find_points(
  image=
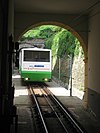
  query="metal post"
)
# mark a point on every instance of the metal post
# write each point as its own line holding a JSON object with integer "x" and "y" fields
{"x": 59, "y": 68}
{"x": 71, "y": 75}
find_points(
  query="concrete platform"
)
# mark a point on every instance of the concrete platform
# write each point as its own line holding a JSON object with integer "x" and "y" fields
{"x": 73, "y": 103}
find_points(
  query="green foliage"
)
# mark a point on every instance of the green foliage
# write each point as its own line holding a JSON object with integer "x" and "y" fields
{"x": 61, "y": 41}
{"x": 78, "y": 49}
{"x": 45, "y": 31}
{"x": 66, "y": 43}
{"x": 34, "y": 33}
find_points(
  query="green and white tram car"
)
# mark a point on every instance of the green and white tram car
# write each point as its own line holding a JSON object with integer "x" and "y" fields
{"x": 35, "y": 64}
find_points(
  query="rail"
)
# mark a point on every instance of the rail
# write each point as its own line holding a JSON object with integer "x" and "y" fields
{"x": 38, "y": 107}
{"x": 64, "y": 110}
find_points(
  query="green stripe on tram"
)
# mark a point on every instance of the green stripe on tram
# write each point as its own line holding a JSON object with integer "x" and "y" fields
{"x": 36, "y": 75}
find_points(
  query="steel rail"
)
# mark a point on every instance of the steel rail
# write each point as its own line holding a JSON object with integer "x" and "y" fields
{"x": 56, "y": 114}
{"x": 45, "y": 127}
{"x": 72, "y": 120}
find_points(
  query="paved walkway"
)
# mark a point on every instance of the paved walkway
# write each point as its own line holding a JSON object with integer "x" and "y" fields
{"x": 75, "y": 105}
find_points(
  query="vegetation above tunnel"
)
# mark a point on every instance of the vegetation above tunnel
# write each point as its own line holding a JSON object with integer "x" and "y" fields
{"x": 60, "y": 40}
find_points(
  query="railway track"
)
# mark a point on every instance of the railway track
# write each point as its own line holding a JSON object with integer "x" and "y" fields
{"x": 49, "y": 115}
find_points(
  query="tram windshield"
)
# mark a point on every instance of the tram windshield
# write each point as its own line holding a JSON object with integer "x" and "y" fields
{"x": 37, "y": 56}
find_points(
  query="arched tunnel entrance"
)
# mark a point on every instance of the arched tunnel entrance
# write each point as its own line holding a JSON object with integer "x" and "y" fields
{"x": 60, "y": 60}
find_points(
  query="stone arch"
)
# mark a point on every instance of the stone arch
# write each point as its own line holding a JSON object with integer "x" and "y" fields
{"x": 85, "y": 49}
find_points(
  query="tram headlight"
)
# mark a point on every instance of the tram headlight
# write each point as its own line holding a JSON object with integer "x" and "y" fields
{"x": 26, "y": 79}
{"x": 45, "y": 79}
